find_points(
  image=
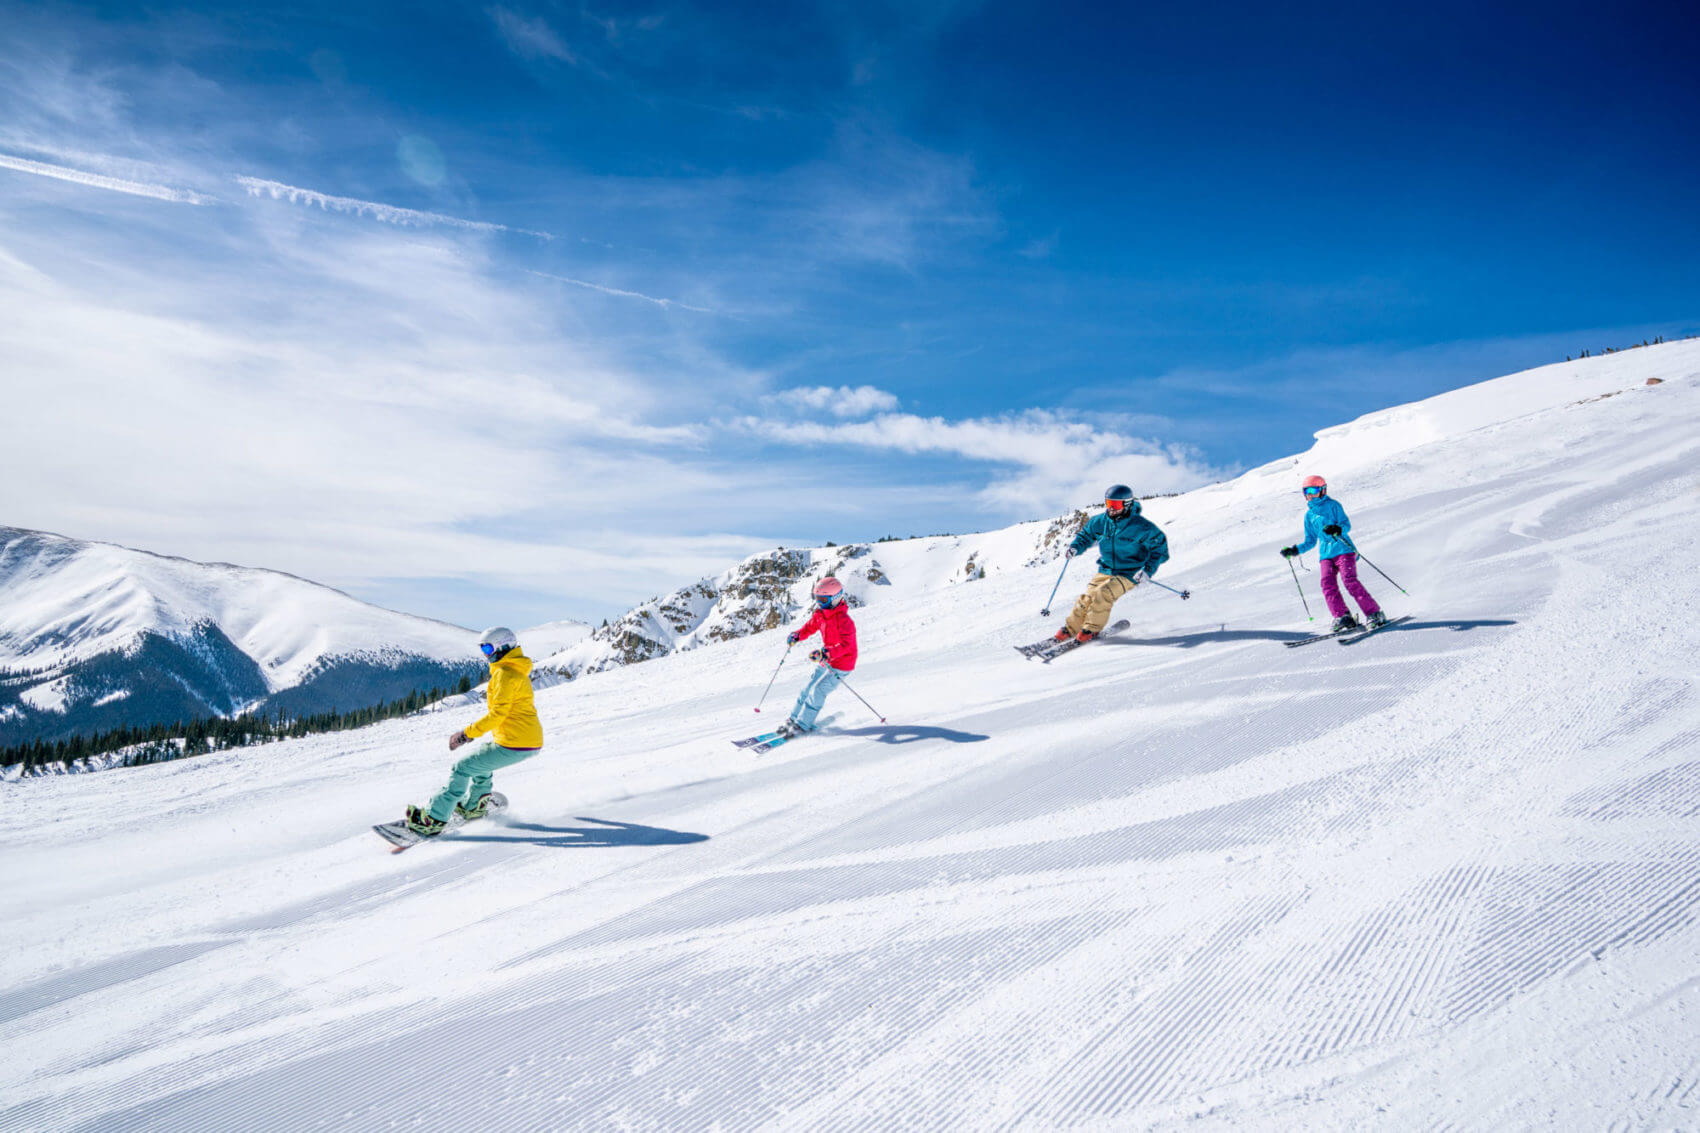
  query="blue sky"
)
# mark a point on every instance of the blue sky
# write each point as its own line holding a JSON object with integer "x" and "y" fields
{"x": 518, "y": 311}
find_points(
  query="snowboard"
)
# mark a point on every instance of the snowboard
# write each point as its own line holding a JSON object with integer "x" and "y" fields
{"x": 400, "y": 837}
{"x": 1050, "y": 648}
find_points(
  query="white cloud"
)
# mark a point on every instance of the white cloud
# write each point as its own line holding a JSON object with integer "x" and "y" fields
{"x": 840, "y": 401}
{"x": 348, "y": 409}
{"x": 388, "y": 214}
{"x": 530, "y": 38}
{"x": 1057, "y": 462}
{"x": 101, "y": 181}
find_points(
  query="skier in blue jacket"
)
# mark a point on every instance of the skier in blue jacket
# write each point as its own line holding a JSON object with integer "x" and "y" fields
{"x": 1326, "y": 524}
{"x": 1130, "y": 549}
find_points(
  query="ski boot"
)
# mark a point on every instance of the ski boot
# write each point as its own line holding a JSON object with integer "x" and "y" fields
{"x": 1377, "y": 619}
{"x": 477, "y": 810}
{"x": 1346, "y": 623}
{"x": 790, "y": 729}
{"x": 1061, "y": 634}
{"x": 421, "y": 823}
{"x": 1085, "y": 635}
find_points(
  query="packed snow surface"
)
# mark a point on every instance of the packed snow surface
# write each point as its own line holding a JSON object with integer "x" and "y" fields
{"x": 1444, "y": 876}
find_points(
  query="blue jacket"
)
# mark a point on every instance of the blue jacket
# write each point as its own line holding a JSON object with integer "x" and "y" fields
{"x": 1126, "y": 545}
{"x": 1325, "y": 511}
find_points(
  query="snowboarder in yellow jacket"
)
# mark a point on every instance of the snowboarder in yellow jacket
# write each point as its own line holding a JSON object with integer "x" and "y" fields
{"x": 510, "y": 720}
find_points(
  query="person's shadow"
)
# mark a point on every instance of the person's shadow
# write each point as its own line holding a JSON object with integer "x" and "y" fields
{"x": 1221, "y": 636}
{"x": 911, "y": 733}
{"x": 1460, "y": 626}
{"x": 605, "y": 833}
{"x": 1213, "y": 637}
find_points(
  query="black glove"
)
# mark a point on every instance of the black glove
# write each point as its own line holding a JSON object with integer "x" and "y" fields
{"x": 457, "y": 739}
{"x": 1289, "y": 552}
{"x": 1331, "y": 529}
{"x": 818, "y": 655}
{"x": 790, "y": 639}
{"x": 1070, "y": 553}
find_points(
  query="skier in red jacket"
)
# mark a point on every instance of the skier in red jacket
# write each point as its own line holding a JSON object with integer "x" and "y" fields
{"x": 835, "y": 657}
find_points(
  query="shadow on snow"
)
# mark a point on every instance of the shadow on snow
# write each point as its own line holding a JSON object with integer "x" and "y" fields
{"x": 1462, "y": 626}
{"x": 910, "y": 733}
{"x": 606, "y": 833}
{"x": 1221, "y": 636}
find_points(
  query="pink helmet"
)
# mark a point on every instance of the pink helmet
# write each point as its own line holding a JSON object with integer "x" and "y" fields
{"x": 1314, "y": 482}
{"x": 828, "y": 591}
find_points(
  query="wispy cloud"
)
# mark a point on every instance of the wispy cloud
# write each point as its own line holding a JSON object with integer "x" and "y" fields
{"x": 101, "y": 181}
{"x": 621, "y": 292}
{"x": 388, "y": 214}
{"x": 1058, "y": 461}
{"x": 530, "y": 37}
{"x": 840, "y": 401}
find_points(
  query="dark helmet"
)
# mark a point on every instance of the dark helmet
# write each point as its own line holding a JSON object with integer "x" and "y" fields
{"x": 1118, "y": 498}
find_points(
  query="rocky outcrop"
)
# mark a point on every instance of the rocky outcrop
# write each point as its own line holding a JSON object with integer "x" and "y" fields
{"x": 763, "y": 592}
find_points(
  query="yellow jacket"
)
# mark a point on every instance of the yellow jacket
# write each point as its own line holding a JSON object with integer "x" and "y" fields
{"x": 510, "y": 716}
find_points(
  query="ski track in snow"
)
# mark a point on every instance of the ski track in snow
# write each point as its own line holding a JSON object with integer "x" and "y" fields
{"x": 1445, "y": 877}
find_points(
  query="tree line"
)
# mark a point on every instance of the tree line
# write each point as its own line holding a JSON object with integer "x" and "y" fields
{"x": 160, "y": 743}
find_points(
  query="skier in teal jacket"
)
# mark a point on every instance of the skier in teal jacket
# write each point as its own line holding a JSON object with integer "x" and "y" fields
{"x": 1130, "y": 549}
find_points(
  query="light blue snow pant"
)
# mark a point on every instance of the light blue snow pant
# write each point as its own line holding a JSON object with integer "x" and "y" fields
{"x": 472, "y": 776}
{"x": 813, "y": 696}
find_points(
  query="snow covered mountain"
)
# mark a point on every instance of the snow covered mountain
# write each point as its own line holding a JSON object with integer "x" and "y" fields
{"x": 93, "y": 635}
{"x": 772, "y": 588}
{"x": 552, "y": 637}
{"x": 1447, "y": 876}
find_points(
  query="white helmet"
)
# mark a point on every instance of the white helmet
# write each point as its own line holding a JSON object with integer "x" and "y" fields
{"x": 496, "y": 641}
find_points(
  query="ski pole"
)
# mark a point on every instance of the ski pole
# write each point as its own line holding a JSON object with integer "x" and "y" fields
{"x": 773, "y": 678}
{"x": 859, "y": 696}
{"x": 1377, "y": 569}
{"x": 1185, "y": 594}
{"x": 1046, "y": 612}
{"x": 1308, "y": 615}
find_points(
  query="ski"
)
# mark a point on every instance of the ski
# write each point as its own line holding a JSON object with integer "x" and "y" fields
{"x": 1050, "y": 649}
{"x": 1354, "y": 638}
{"x": 401, "y": 838}
{"x": 752, "y": 741}
{"x": 1320, "y": 637}
{"x": 1346, "y": 636}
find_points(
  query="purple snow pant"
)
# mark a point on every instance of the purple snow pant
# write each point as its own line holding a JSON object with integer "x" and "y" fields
{"x": 1346, "y": 567}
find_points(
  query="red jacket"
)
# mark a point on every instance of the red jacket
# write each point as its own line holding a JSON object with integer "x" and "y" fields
{"x": 838, "y": 633}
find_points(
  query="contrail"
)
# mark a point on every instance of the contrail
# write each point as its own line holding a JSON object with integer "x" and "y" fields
{"x": 624, "y": 294}
{"x": 388, "y": 214}
{"x": 101, "y": 181}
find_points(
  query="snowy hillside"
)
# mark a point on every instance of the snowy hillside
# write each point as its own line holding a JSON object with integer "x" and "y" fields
{"x": 94, "y": 635}
{"x": 552, "y": 637}
{"x": 1447, "y": 876}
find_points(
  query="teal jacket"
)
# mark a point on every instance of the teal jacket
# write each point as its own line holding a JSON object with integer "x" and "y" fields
{"x": 1126, "y": 545}
{"x": 1325, "y": 511}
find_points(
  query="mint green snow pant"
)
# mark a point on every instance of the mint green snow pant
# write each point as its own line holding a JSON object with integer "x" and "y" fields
{"x": 471, "y": 778}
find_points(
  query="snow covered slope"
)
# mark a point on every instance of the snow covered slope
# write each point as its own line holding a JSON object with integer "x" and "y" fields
{"x": 1448, "y": 876}
{"x": 94, "y": 635}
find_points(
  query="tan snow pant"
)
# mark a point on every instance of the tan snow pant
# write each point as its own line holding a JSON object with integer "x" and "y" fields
{"x": 1092, "y": 612}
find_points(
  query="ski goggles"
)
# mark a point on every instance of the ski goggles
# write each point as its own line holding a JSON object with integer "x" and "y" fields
{"x": 1115, "y": 506}
{"x": 487, "y": 649}
{"x": 1312, "y": 493}
{"x": 826, "y": 600}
